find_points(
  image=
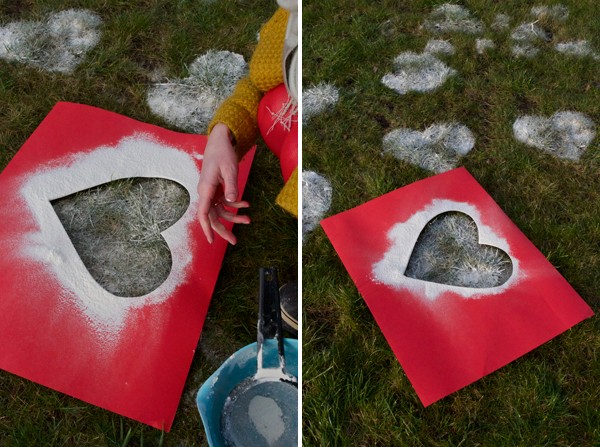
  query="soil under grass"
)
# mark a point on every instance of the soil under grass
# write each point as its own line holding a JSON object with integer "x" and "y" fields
{"x": 355, "y": 392}
{"x": 144, "y": 42}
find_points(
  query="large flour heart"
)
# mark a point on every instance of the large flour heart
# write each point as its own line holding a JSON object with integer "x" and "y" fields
{"x": 116, "y": 229}
{"x": 438, "y": 148}
{"x": 448, "y": 252}
{"x": 564, "y": 134}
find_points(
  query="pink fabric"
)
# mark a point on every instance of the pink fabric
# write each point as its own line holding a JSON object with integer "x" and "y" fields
{"x": 280, "y": 133}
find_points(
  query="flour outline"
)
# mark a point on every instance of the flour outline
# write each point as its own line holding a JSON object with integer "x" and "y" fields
{"x": 406, "y": 234}
{"x": 51, "y": 245}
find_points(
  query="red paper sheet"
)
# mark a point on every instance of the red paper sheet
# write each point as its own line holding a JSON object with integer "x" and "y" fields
{"x": 446, "y": 337}
{"x": 58, "y": 328}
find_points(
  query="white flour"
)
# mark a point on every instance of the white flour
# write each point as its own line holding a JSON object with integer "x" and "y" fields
{"x": 136, "y": 156}
{"x": 267, "y": 418}
{"x": 482, "y": 45}
{"x": 390, "y": 270}
{"x": 57, "y": 44}
{"x": 502, "y": 22}
{"x": 417, "y": 72}
{"x": 557, "y": 12}
{"x": 316, "y": 200}
{"x": 317, "y": 99}
{"x": 438, "y": 148}
{"x": 564, "y": 134}
{"x": 578, "y": 48}
{"x": 190, "y": 103}
{"x": 525, "y": 38}
{"x": 449, "y": 18}
{"x": 436, "y": 46}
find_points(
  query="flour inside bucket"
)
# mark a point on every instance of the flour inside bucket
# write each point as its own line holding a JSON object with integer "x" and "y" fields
{"x": 262, "y": 415}
{"x": 262, "y": 410}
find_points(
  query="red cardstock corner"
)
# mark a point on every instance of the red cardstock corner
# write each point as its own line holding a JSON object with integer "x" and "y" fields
{"x": 127, "y": 355}
{"x": 447, "y": 337}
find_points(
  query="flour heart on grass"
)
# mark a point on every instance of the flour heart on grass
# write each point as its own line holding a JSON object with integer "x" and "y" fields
{"x": 316, "y": 200}
{"x": 116, "y": 230}
{"x": 56, "y": 43}
{"x": 417, "y": 72}
{"x": 564, "y": 134}
{"x": 448, "y": 252}
{"x": 438, "y": 148}
{"x": 190, "y": 103}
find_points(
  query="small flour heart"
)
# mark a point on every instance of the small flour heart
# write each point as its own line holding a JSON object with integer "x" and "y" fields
{"x": 317, "y": 99}
{"x": 438, "y": 148}
{"x": 417, "y": 72}
{"x": 316, "y": 200}
{"x": 564, "y": 134}
{"x": 449, "y": 18}
{"x": 448, "y": 252}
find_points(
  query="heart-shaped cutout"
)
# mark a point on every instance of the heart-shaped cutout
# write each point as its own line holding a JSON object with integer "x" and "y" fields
{"x": 448, "y": 252}
{"x": 116, "y": 230}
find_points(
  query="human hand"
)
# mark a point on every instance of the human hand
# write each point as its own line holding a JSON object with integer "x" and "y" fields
{"x": 219, "y": 167}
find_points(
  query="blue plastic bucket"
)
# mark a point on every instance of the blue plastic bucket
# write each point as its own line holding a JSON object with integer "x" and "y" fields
{"x": 241, "y": 365}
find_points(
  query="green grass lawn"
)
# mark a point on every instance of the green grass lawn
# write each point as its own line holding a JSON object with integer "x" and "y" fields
{"x": 355, "y": 392}
{"x": 139, "y": 38}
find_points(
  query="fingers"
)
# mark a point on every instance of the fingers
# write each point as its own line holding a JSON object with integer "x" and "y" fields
{"x": 222, "y": 213}
{"x": 205, "y": 205}
{"x": 237, "y": 205}
{"x": 230, "y": 175}
{"x": 220, "y": 229}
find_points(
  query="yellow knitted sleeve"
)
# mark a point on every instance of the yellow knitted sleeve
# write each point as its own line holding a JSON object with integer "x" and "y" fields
{"x": 266, "y": 68}
{"x": 239, "y": 111}
{"x": 288, "y": 196}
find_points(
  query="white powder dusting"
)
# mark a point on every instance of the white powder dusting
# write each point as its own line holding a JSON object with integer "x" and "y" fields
{"x": 577, "y": 48}
{"x": 437, "y": 46}
{"x": 57, "y": 44}
{"x": 403, "y": 237}
{"x": 316, "y": 200}
{"x": 136, "y": 156}
{"x": 438, "y": 148}
{"x": 501, "y": 22}
{"x": 449, "y": 18}
{"x": 318, "y": 99}
{"x": 417, "y": 72}
{"x": 190, "y": 103}
{"x": 557, "y": 12}
{"x": 267, "y": 418}
{"x": 482, "y": 45}
{"x": 525, "y": 38}
{"x": 564, "y": 134}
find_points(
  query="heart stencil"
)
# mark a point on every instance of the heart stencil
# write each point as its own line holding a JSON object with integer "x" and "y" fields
{"x": 448, "y": 252}
{"x": 50, "y": 244}
{"x": 115, "y": 228}
{"x": 446, "y": 247}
